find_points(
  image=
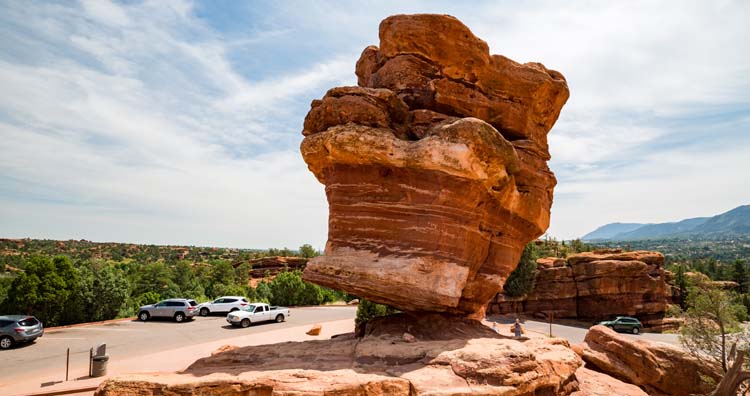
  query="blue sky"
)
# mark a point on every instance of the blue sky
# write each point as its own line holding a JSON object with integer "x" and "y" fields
{"x": 178, "y": 122}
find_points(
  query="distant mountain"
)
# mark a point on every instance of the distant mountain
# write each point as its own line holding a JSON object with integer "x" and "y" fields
{"x": 732, "y": 223}
{"x": 609, "y": 230}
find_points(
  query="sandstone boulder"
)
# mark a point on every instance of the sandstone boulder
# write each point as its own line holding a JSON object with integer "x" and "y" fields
{"x": 434, "y": 166}
{"x": 658, "y": 368}
{"x": 466, "y": 359}
{"x": 592, "y": 383}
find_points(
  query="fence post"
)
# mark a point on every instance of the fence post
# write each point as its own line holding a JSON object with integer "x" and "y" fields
{"x": 551, "y": 314}
{"x": 67, "y": 364}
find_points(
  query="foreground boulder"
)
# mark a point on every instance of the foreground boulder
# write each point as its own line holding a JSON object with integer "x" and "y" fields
{"x": 658, "y": 368}
{"x": 597, "y": 286}
{"x": 434, "y": 166}
{"x": 466, "y": 359}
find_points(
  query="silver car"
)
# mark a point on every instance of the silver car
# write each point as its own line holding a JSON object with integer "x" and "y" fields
{"x": 178, "y": 309}
{"x": 19, "y": 328}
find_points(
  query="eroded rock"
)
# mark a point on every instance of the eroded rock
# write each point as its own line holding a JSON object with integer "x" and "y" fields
{"x": 597, "y": 286}
{"x": 435, "y": 167}
{"x": 455, "y": 362}
{"x": 658, "y": 368}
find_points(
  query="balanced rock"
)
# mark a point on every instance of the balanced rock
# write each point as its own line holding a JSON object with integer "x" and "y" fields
{"x": 434, "y": 166}
{"x": 658, "y": 368}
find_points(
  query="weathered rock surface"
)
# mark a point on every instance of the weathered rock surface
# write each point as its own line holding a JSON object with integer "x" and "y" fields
{"x": 434, "y": 166}
{"x": 596, "y": 286}
{"x": 592, "y": 383}
{"x": 658, "y": 368}
{"x": 467, "y": 359}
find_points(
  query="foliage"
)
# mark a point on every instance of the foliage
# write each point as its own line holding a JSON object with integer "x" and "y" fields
{"x": 82, "y": 286}
{"x": 521, "y": 280}
{"x": 289, "y": 289}
{"x": 367, "y": 310}
{"x": 45, "y": 287}
{"x": 712, "y": 323}
{"x": 308, "y": 251}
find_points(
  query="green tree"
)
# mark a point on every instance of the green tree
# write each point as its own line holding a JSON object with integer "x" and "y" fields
{"x": 521, "y": 280}
{"x": 739, "y": 275}
{"x": 681, "y": 283}
{"x": 263, "y": 292}
{"x": 307, "y": 251}
{"x": 367, "y": 310}
{"x": 711, "y": 321}
{"x": 44, "y": 289}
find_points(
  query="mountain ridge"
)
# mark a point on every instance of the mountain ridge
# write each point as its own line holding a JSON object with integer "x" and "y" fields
{"x": 727, "y": 224}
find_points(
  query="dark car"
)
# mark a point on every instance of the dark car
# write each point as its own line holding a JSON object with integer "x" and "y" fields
{"x": 19, "y": 328}
{"x": 624, "y": 323}
{"x": 178, "y": 309}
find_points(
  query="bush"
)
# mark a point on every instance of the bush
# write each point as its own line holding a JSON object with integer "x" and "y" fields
{"x": 368, "y": 310}
{"x": 521, "y": 280}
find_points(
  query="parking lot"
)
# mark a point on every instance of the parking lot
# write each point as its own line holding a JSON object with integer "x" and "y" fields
{"x": 132, "y": 338}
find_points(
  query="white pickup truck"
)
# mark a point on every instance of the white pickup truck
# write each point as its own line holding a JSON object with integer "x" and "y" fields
{"x": 257, "y": 312}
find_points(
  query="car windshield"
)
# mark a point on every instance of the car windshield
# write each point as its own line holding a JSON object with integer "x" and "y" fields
{"x": 249, "y": 308}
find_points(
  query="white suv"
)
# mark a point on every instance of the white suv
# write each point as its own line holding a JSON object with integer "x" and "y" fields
{"x": 222, "y": 305}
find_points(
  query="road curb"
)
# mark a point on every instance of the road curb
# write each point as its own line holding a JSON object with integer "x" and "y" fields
{"x": 70, "y": 391}
{"x": 58, "y": 328}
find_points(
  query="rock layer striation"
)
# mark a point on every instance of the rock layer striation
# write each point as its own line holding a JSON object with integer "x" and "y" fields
{"x": 597, "y": 286}
{"x": 434, "y": 166}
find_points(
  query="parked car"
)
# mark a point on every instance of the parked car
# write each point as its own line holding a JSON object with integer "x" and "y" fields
{"x": 223, "y": 305}
{"x": 257, "y": 312}
{"x": 177, "y": 308}
{"x": 19, "y": 328}
{"x": 624, "y": 323}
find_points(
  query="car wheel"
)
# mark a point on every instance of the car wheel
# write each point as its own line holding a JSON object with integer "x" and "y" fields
{"x": 279, "y": 318}
{"x": 179, "y": 317}
{"x": 204, "y": 311}
{"x": 143, "y": 316}
{"x": 636, "y": 330}
{"x": 245, "y": 323}
{"x": 6, "y": 342}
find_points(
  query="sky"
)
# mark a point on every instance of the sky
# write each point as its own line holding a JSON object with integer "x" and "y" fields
{"x": 178, "y": 122}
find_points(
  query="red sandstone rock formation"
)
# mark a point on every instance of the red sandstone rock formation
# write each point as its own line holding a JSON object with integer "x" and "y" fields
{"x": 465, "y": 359}
{"x": 658, "y": 368}
{"x": 435, "y": 167}
{"x": 596, "y": 286}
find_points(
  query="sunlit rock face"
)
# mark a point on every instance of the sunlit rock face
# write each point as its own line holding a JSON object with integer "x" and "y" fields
{"x": 434, "y": 166}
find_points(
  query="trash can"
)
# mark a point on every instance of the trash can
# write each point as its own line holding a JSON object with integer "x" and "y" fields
{"x": 99, "y": 366}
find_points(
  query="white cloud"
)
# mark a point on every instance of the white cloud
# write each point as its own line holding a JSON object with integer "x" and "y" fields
{"x": 136, "y": 122}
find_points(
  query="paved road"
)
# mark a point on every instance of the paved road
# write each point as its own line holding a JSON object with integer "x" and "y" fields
{"x": 576, "y": 334}
{"x": 133, "y": 338}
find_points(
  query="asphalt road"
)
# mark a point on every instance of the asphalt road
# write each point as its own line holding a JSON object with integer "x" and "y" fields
{"x": 576, "y": 333}
{"x": 133, "y": 338}
{"x": 128, "y": 339}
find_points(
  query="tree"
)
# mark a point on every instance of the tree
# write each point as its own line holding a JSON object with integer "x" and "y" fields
{"x": 44, "y": 289}
{"x": 367, "y": 310}
{"x": 521, "y": 280}
{"x": 711, "y": 321}
{"x": 307, "y": 251}
{"x": 681, "y": 283}
{"x": 739, "y": 275}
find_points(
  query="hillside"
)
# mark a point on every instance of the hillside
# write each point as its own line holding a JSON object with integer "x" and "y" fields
{"x": 733, "y": 223}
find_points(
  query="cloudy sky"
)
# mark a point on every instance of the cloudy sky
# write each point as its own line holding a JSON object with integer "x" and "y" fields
{"x": 175, "y": 122}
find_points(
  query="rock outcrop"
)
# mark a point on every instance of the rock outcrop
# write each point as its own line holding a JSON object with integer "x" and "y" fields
{"x": 592, "y": 383}
{"x": 465, "y": 359}
{"x": 658, "y": 368}
{"x": 596, "y": 286}
{"x": 434, "y": 166}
